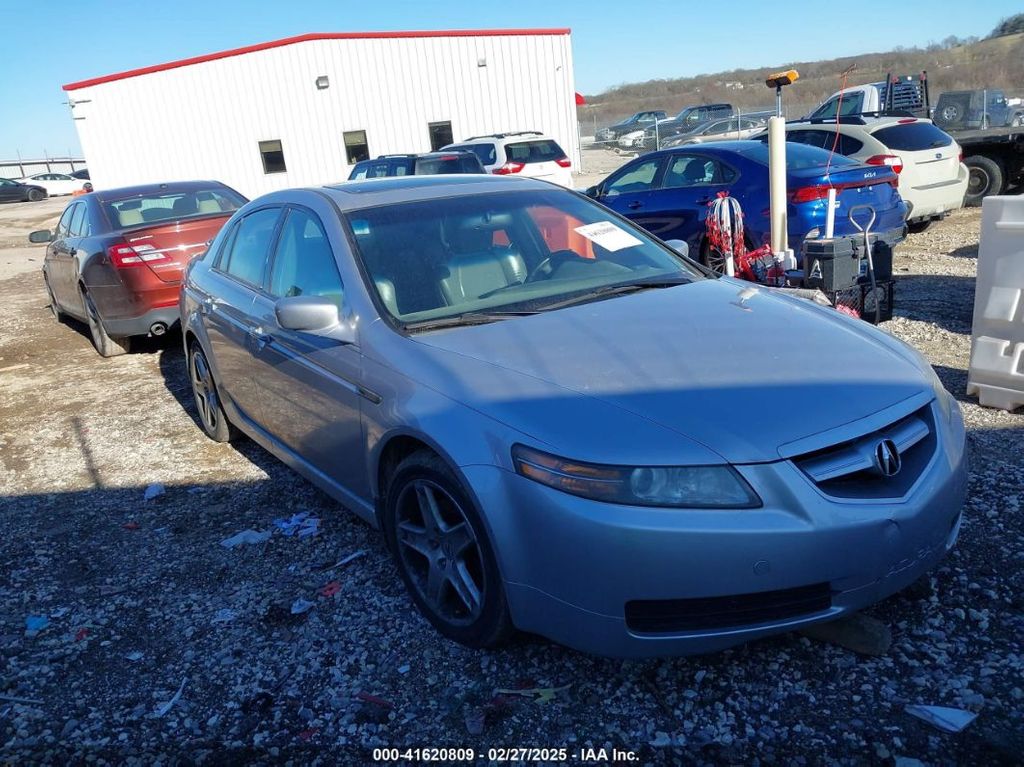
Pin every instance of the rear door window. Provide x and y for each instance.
(913, 137)
(251, 246)
(696, 170)
(542, 150)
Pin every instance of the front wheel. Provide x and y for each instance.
(105, 344)
(917, 227)
(443, 553)
(204, 389)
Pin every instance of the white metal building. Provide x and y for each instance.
(302, 110)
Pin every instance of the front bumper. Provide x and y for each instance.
(571, 565)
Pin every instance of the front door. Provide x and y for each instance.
(678, 208)
(629, 192)
(309, 381)
(62, 271)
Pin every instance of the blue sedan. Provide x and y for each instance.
(667, 192)
(563, 426)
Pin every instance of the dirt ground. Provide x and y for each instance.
(144, 607)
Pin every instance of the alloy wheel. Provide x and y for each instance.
(204, 391)
(439, 551)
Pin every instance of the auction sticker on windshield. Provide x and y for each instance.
(608, 236)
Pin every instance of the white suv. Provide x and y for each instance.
(525, 153)
(932, 176)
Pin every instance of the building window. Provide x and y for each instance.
(440, 135)
(273, 157)
(356, 147)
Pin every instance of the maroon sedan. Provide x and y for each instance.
(116, 258)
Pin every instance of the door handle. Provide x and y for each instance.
(635, 205)
(260, 337)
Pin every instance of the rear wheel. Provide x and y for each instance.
(443, 553)
(35, 195)
(106, 345)
(204, 389)
(986, 177)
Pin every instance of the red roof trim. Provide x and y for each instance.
(307, 38)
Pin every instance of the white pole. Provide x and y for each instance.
(830, 217)
(777, 183)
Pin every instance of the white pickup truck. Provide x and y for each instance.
(903, 93)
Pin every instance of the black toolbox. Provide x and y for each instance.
(830, 265)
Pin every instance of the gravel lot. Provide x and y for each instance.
(143, 603)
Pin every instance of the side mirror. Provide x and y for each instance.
(680, 247)
(43, 235)
(313, 314)
(593, 191)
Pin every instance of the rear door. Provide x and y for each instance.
(235, 281)
(309, 381)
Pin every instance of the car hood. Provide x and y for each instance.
(740, 370)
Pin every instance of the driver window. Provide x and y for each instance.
(640, 178)
(65, 221)
(304, 263)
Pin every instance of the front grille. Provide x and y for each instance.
(850, 469)
(661, 616)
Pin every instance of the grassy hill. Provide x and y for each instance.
(996, 62)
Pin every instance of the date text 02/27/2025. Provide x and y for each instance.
(504, 754)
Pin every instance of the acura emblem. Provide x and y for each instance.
(887, 458)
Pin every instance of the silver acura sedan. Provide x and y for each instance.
(562, 425)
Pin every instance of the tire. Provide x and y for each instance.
(35, 195)
(443, 554)
(986, 177)
(106, 345)
(1018, 121)
(919, 226)
(58, 315)
(211, 412)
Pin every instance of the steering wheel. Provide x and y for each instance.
(549, 264)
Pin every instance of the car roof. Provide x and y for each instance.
(867, 124)
(421, 155)
(355, 195)
(719, 147)
(141, 189)
(510, 136)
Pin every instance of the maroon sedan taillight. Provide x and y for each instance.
(124, 255)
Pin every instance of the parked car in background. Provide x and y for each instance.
(932, 176)
(691, 118)
(116, 257)
(82, 174)
(55, 184)
(542, 407)
(634, 122)
(978, 109)
(523, 153)
(668, 192)
(17, 191)
(729, 128)
(428, 164)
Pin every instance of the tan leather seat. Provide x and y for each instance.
(129, 217)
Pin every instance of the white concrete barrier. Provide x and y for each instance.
(996, 373)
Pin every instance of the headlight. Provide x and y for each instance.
(699, 487)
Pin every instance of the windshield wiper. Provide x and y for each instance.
(466, 318)
(614, 290)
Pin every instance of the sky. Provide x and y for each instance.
(53, 42)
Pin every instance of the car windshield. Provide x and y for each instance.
(499, 253)
(141, 209)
